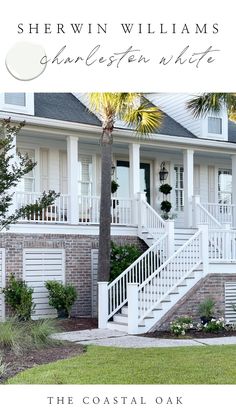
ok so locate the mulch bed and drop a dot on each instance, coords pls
(18, 363)
(193, 334)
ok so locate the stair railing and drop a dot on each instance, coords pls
(137, 273)
(203, 216)
(149, 219)
(173, 271)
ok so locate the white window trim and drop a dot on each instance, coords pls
(27, 109)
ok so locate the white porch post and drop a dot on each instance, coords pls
(170, 230)
(234, 190)
(132, 293)
(188, 186)
(72, 156)
(196, 213)
(102, 304)
(204, 247)
(134, 181)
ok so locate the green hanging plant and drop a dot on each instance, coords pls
(166, 206)
(165, 189)
(114, 186)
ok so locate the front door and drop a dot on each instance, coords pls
(122, 175)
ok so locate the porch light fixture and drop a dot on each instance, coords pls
(113, 168)
(163, 172)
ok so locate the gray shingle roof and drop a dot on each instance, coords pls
(63, 107)
(66, 107)
(170, 127)
(232, 132)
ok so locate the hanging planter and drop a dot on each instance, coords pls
(114, 186)
(165, 188)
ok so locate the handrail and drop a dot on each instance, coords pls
(222, 245)
(138, 271)
(208, 217)
(170, 274)
(224, 213)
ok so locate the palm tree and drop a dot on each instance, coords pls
(136, 112)
(213, 102)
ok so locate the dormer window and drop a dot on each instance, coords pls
(17, 103)
(15, 99)
(214, 125)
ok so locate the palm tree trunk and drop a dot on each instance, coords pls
(105, 208)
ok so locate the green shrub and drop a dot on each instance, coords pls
(19, 297)
(213, 326)
(11, 335)
(61, 297)
(121, 258)
(166, 206)
(3, 367)
(40, 332)
(181, 325)
(165, 189)
(207, 309)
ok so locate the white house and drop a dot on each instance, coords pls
(187, 258)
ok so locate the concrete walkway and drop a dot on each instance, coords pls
(106, 337)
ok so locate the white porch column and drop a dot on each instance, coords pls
(134, 164)
(204, 247)
(188, 186)
(170, 230)
(72, 167)
(102, 304)
(134, 181)
(196, 212)
(234, 189)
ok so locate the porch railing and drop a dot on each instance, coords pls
(56, 213)
(224, 213)
(138, 272)
(121, 210)
(222, 245)
(150, 220)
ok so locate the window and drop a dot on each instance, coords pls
(85, 175)
(179, 188)
(27, 183)
(214, 125)
(224, 186)
(16, 99)
(17, 103)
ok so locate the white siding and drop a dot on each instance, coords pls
(2, 283)
(230, 300)
(41, 265)
(175, 106)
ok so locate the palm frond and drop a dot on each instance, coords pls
(145, 118)
(206, 103)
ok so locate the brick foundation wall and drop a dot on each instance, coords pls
(212, 286)
(78, 259)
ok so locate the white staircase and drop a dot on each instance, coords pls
(166, 285)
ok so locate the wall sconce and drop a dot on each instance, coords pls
(163, 174)
(113, 168)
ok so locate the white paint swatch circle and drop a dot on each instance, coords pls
(23, 61)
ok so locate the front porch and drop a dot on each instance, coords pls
(71, 165)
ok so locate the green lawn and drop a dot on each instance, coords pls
(103, 365)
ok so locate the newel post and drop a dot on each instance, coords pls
(204, 247)
(102, 304)
(142, 214)
(170, 230)
(196, 212)
(132, 293)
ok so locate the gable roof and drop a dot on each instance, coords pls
(63, 107)
(66, 107)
